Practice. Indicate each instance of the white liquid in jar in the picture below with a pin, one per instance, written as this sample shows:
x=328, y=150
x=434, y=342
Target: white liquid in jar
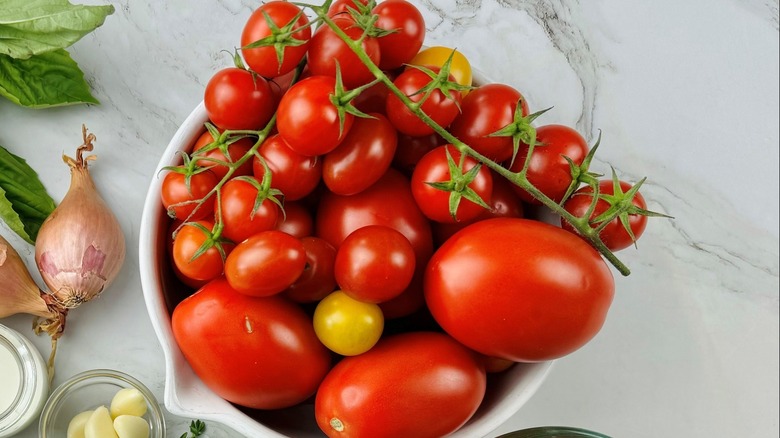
x=10, y=377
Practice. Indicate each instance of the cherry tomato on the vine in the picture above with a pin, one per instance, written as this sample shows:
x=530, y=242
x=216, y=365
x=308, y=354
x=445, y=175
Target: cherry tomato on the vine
x=212, y=155
x=460, y=68
x=441, y=108
x=237, y=99
x=188, y=242
x=183, y=196
x=327, y=50
x=242, y=215
x=264, y=60
x=408, y=32
x=292, y=173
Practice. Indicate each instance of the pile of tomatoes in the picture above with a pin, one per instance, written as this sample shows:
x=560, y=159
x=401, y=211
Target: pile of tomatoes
x=335, y=246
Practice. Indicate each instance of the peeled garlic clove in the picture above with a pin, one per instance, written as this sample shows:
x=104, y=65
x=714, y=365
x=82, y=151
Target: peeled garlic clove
x=130, y=426
x=100, y=425
x=128, y=401
x=77, y=425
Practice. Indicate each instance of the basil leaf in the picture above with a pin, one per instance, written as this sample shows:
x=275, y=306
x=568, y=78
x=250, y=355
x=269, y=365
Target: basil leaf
x=45, y=80
x=24, y=202
x=31, y=27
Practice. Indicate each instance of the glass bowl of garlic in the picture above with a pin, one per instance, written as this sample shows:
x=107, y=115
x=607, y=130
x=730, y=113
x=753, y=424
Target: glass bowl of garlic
x=102, y=403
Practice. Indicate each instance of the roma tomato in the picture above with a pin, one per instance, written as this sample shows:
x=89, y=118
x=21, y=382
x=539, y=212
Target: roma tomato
x=264, y=60
x=260, y=353
x=408, y=26
x=403, y=387
x=347, y=326
x=374, y=264
x=237, y=99
x=362, y=158
x=265, y=263
x=485, y=111
x=327, y=50
x=614, y=235
x=548, y=170
x=436, y=56
x=307, y=119
x=519, y=289
x=441, y=108
x=183, y=194
x=189, y=240
x=292, y=173
x=244, y=211
x=434, y=202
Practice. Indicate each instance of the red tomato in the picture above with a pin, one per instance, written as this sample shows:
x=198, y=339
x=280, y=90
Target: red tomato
x=294, y=174
x=614, y=235
x=307, y=119
x=549, y=171
x=265, y=263
x=297, y=220
x=237, y=99
x=264, y=60
x=362, y=158
x=243, y=214
x=399, y=47
x=435, y=202
x=411, y=149
x=419, y=384
x=519, y=289
x=261, y=353
x=341, y=8
x=373, y=99
x=183, y=196
x=374, y=263
x=217, y=156
x=440, y=108
x=485, y=111
x=188, y=241
x=318, y=279
x=327, y=49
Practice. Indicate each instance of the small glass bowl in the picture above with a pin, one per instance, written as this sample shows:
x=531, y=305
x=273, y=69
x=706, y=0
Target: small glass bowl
x=89, y=390
x=553, y=432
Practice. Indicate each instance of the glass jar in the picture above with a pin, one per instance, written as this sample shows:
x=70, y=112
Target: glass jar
x=24, y=382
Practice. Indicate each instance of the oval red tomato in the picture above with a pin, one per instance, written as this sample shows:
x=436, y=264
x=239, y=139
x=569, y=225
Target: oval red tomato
x=292, y=173
x=265, y=264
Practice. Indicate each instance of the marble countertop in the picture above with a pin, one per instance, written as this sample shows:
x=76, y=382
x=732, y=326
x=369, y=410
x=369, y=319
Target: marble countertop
x=685, y=93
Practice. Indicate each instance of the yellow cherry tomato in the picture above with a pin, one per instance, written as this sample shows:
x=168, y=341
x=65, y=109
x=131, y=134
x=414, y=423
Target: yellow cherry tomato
x=460, y=68
x=347, y=326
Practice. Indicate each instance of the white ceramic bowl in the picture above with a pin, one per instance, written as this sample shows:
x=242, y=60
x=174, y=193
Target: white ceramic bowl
x=186, y=395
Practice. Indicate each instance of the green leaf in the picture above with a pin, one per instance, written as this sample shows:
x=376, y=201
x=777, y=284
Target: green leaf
x=32, y=27
x=24, y=202
x=45, y=80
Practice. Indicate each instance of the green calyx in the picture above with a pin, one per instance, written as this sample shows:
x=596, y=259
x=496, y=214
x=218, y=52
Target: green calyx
x=521, y=129
x=280, y=38
x=458, y=185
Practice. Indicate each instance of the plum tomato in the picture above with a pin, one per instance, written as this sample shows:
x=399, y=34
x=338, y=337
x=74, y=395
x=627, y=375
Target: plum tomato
x=265, y=264
x=374, y=264
x=216, y=156
x=484, y=111
x=318, y=278
x=293, y=174
x=245, y=211
x=183, y=193
x=328, y=50
x=519, y=289
x=548, y=170
x=441, y=108
x=408, y=32
x=238, y=99
x=417, y=384
x=434, y=202
x=436, y=56
x=347, y=326
x=196, y=238
x=307, y=119
x=362, y=158
x=264, y=60
x=261, y=353
x=614, y=235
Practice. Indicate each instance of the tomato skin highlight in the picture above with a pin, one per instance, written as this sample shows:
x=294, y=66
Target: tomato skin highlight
x=419, y=384
x=519, y=289
x=234, y=344
x=265, y=264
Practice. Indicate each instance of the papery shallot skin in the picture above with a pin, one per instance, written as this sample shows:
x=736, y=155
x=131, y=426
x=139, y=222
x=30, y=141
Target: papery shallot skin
x=80, y=247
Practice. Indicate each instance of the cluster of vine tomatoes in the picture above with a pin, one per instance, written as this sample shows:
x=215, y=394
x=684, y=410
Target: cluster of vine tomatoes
x=305, y=242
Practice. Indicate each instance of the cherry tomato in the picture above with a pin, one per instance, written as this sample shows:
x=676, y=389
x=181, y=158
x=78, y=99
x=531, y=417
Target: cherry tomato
x=243, y=214
x=408, y=26
x=265, y=263
x=435, y=202
x=347, y=326
x=237, y=99
x=189, y=240
x=307, y=119
x=260, y=353
x=318, y=279
x=484, y=111
x=411, y=149
x=297, y=220
x=327, y=50
x=212, y=155
x=614, y=235
x=519, y=289
x=340, y=8
x=419, y=384
x=264, y=60
x=548, y=170
x=460, y=68
x=294, y=174
x=441, y=108
x=374, y=264
x=362, y=158
x=373, y=99
x=183, y=197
